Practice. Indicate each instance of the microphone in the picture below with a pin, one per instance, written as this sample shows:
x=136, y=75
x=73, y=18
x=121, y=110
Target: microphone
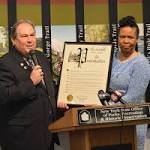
x=33, y=56
x=103, y=97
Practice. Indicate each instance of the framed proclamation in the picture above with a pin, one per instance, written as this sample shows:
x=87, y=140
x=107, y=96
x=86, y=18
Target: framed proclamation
x=86, y=70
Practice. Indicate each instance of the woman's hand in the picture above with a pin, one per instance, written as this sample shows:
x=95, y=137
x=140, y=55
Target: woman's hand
x=115, y=96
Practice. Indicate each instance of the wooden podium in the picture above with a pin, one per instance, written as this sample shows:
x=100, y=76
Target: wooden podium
x=85, y=136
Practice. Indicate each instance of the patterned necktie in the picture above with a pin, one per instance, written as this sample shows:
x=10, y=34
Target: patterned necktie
x=29, y=61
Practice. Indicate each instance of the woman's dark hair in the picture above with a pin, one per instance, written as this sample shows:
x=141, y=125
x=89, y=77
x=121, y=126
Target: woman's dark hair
x=129, y=21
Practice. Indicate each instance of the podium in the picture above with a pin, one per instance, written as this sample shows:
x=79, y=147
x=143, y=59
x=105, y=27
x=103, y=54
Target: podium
x=93, y=127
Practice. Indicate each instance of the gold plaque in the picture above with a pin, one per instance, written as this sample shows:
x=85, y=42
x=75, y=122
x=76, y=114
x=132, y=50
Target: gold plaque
x=69, y=98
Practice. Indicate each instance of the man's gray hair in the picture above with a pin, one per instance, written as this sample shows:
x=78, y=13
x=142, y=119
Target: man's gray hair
x=13, y=33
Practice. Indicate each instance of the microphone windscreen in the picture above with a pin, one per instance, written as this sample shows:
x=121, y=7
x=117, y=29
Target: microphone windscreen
x=103, y=97
x=33, y=55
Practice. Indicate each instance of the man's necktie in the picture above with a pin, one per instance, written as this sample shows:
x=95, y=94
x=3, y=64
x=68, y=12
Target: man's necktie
x=29, y=61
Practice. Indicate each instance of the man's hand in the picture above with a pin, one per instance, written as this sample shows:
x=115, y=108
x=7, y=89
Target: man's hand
x=36, y=75
x=61, y=104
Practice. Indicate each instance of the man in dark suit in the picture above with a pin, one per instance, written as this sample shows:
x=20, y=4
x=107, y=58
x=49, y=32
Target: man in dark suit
x=27, y=101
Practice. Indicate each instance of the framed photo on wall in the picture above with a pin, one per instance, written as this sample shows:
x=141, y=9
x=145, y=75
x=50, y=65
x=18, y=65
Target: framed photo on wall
x=86, y=70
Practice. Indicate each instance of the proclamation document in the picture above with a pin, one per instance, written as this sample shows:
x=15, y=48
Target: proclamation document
x=85, y=70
